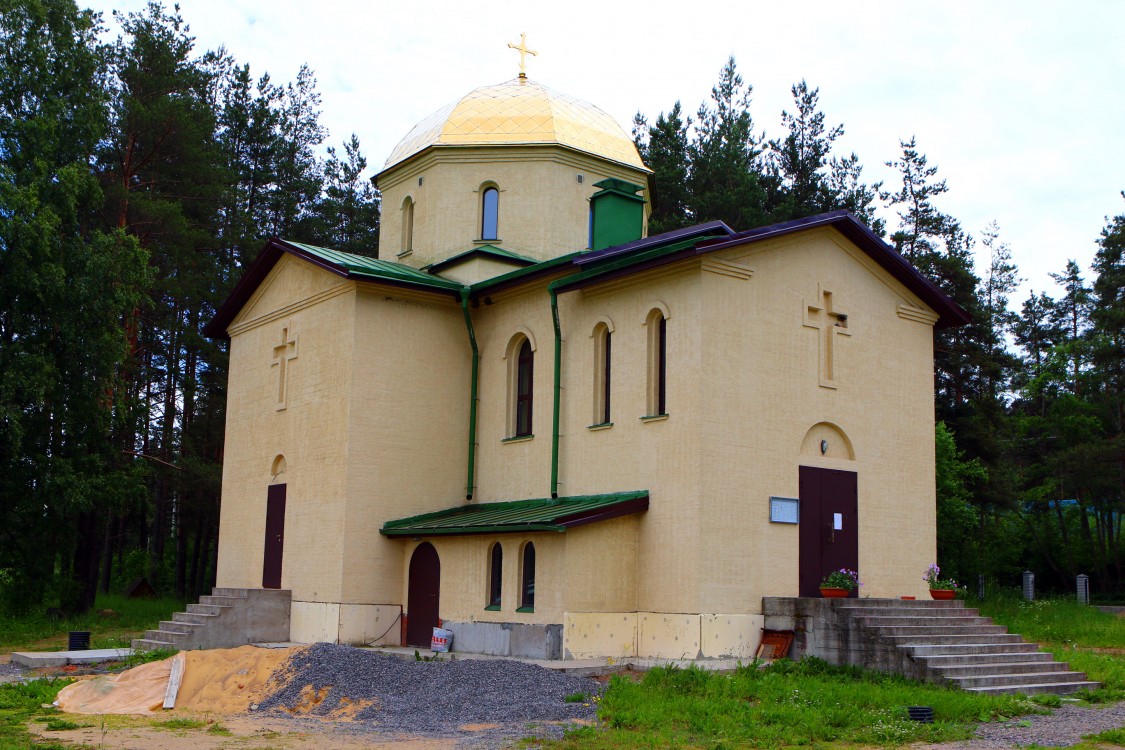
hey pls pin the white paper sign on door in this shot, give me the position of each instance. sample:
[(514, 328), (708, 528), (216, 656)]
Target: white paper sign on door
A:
[(838, 521)]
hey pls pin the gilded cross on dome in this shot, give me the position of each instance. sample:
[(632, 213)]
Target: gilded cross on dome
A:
[(829, 323), (524, 52)]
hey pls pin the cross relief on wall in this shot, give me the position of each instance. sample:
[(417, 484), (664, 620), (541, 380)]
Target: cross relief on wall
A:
[(283, 354), (829, 322)]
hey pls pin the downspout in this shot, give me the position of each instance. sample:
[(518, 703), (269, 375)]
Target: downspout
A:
[(473, 396), (558, 389)]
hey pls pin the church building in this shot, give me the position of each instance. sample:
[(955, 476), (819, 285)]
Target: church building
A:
[(532, 423)]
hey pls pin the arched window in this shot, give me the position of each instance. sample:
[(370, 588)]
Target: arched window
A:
[(657, 363), (527, 579), (495, 576), (489, 213), (603, 355), (524, 390), (407, 226)]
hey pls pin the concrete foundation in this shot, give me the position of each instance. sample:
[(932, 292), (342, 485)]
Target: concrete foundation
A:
[(507, 639)]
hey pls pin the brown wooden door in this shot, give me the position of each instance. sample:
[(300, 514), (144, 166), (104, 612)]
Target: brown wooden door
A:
[(829, 534), (275, 537), (422, 596)]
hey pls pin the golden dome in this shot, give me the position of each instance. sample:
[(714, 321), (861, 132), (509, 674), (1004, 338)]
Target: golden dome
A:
[(519, 112)]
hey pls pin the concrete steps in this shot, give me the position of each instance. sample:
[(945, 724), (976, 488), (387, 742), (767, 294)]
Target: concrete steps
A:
[(933, 641), (224, 619), (968, 651)]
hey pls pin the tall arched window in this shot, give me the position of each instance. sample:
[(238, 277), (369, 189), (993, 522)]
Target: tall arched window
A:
[(657, 363), (407, 226), (489, 213), (495, 576), (524, 391), (603, 356), (527, 579)]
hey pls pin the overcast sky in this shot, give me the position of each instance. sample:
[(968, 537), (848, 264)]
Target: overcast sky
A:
[(1021, 105)]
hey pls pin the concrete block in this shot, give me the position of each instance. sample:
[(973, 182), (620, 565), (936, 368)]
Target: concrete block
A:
[(600, 634), (62, 658), (668, 636), (494, 638), (507, 639), (731, 636), (536, 641), (34, 660)]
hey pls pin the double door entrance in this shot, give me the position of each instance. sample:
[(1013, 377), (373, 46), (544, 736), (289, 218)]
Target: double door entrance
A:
[(828, 526)]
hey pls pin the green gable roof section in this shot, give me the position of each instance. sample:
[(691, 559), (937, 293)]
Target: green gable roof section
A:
[(546, 514), (348, 265), (362, 267), (487, 251)]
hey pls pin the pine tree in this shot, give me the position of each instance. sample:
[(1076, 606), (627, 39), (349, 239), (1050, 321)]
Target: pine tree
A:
[(65, 288), (799, 160), (346, 216), (664, 148), (726, 180), (921, 225)]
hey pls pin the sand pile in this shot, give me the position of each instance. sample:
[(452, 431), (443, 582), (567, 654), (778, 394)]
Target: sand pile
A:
[(221, 681)]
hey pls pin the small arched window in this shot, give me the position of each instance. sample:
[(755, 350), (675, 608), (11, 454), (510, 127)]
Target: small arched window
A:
[(524, 390), (495, 576), (603, 356), (489, 213), (657, 363), (407, 226), (527, 579)]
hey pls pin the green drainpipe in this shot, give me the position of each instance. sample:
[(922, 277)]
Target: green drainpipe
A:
[(473, 396), (558, 389)]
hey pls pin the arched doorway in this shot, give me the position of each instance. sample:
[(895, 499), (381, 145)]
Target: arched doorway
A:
[(422, 596)]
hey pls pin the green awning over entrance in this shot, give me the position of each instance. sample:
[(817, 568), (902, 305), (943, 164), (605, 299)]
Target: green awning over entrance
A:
[(547, 514)]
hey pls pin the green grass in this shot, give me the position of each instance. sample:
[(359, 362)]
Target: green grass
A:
[(132, 617), (1072, 632), (1057, 622), (181, 724), (1110, 737), (786, 704), (23, 702)]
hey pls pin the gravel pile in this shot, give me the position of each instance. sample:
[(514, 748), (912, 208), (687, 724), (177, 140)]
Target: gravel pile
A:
[(1063, 727), (10, 672), (394, 695)]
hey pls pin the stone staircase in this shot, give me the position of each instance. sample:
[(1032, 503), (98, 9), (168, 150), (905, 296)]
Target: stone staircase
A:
[(932, 641), (225, 619)]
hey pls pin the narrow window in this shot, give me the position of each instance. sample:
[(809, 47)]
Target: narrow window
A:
[(662, 366), (603, 357), (407, 226), (496, 576), (527, 587), (525, 366), (490, 209), (657, 363)]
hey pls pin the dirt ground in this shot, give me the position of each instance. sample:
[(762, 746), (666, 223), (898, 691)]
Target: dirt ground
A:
[(245, 732)]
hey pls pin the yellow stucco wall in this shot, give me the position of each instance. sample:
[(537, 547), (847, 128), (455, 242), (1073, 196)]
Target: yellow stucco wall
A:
[(376, 422), (543, 208), (318, 309), (764, 395)]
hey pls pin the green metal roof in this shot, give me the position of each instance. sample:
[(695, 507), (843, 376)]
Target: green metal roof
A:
[(374, 268), (489, 250), (546, 514), (516, 275)]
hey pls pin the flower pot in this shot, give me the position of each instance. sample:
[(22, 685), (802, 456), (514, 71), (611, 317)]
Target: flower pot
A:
[(833, 593), (907, 598), (943, 594)]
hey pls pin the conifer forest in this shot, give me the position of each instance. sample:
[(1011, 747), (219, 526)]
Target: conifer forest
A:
[(140, 175)]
